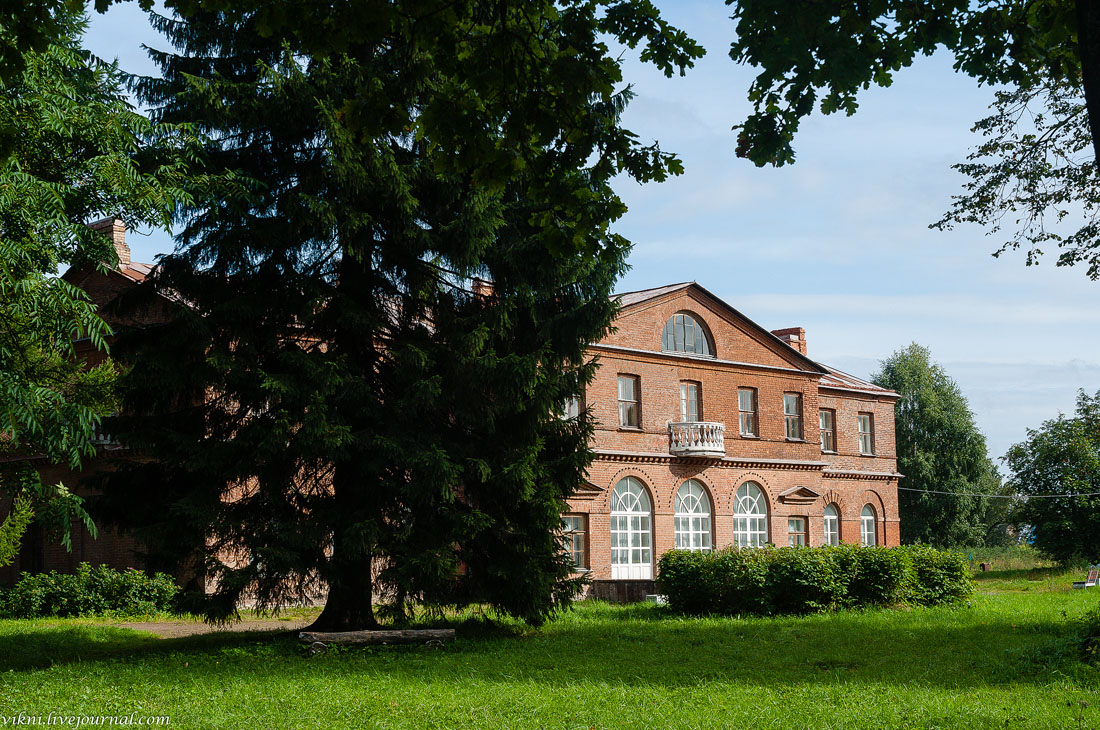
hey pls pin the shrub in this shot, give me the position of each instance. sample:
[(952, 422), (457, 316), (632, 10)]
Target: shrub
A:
[(804, 580), (88, 592), (880, 576), (685, 579), (939, 577), (740, 577)]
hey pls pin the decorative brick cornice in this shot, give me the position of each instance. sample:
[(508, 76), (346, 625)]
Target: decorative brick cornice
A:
[(854, 474), (729, 462)]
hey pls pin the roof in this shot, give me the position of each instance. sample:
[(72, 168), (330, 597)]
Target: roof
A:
[(845, 381), (637, 297), (136, 271)]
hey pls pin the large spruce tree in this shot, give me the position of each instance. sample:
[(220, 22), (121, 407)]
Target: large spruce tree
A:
[(343, 401)]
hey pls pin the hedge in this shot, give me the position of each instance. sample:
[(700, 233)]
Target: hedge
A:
[(88, 592), (769, 580)]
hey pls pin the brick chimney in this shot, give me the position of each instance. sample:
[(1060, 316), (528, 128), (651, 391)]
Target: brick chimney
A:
[(116, 229), (481, 288), (793, 336)]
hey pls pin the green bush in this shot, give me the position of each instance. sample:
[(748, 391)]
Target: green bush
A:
[(803, 581), (939, 577), (739, 579), (880, 576), (88, 592), (770, 580)]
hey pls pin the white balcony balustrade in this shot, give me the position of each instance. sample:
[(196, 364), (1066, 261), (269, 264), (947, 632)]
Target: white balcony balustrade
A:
[(697, 438)]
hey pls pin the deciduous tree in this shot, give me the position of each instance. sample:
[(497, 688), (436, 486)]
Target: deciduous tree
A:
[(75, 153), (1033, 177), (814, 54), (940, 449), (1062, 457)]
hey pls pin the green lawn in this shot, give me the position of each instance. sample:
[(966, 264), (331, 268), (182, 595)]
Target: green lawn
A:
[(1006, 661)]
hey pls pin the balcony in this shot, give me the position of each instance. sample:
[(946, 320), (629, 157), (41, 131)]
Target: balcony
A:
[(697, 438)]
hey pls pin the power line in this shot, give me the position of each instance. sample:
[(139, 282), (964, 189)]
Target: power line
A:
[(1001, 496)]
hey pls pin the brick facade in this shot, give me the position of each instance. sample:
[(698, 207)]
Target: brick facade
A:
[(40, 551), (797, 478)]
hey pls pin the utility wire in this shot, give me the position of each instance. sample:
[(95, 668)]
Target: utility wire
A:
[(1001, 496)]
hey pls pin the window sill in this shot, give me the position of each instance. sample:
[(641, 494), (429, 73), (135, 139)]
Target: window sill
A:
[(582, 570), (635, 429), (749, 436), (832, 453), (797, 441), (869, 456)]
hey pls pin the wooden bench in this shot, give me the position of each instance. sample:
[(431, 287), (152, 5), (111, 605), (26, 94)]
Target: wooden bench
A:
[(1090, 580)]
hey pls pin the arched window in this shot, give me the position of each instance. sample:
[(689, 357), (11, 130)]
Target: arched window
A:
[(750, 516), (631, 551), (692, 522), (832, 525), (867, 526), (684, 334)]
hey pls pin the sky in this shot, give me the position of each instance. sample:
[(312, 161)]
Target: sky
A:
[(837, 243)]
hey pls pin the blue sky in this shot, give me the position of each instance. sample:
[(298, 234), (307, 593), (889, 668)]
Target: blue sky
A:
[(837, 243)]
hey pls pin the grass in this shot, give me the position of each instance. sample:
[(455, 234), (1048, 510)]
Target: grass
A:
[(1006, 660)]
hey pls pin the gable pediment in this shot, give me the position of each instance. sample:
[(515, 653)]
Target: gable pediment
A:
[(799, 495), (735, 338)]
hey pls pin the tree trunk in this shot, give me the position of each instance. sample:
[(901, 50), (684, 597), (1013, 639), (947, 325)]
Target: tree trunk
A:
[(1088, 48), (350, 599), (350, 602)]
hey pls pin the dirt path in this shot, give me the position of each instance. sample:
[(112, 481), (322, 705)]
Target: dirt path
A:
[(176, 629)]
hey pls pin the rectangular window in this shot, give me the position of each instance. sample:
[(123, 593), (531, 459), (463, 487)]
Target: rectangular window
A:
[(629, 401), (574, 406), (690, 409), (828, 430), (792, 414), (796, 531), (746, 406), (574, 529), (867, 434)]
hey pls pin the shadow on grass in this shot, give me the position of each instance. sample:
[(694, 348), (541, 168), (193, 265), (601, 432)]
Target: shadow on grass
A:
[(44, 645), (629, 645)]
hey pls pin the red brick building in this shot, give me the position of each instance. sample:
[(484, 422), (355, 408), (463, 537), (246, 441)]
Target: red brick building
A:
[(712, 431), (41, 552)]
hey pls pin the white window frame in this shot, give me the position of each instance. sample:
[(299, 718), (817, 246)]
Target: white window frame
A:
[(792, 417), (747, 417), (631, 531), (575, 528), (750, 516), (691, 402), (692, 518), (635, 400), (832, 524), (574, 406), (681, 327), (830, 415), (868, 528), (797, 537), (866, 437)]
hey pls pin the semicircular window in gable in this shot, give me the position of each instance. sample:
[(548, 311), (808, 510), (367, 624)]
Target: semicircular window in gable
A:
[(683, 333)]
